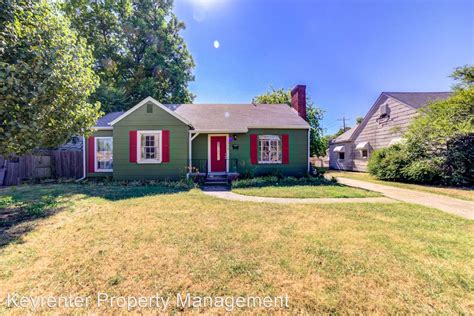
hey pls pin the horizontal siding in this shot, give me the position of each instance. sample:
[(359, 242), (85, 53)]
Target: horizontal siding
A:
[(298, 152), (336, 163), (158, 120), (199, 148), (378, 134)]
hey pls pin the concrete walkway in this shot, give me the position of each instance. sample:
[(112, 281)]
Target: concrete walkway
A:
[(441, 202), (227, 195)]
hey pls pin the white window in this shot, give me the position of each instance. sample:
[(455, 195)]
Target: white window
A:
[(269, 149), (149, 146), (103, 154)]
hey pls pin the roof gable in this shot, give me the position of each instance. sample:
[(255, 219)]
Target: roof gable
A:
[(414, 100), (153, 101)]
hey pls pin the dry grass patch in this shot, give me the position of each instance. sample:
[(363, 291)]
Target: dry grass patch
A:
[(345, 258), (458, 193)]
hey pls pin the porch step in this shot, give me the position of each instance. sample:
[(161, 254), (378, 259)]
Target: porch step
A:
[(216, 177), (216, 182), (216, 187)]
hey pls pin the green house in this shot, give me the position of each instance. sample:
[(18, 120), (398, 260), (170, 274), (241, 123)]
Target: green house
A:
[(170, 141)]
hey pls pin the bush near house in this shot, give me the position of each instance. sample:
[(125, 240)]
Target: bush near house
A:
[(387, 163), (277, 181), (439, 143), (459, 160)]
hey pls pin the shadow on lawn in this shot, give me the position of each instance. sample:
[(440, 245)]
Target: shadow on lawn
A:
[(22, 207)]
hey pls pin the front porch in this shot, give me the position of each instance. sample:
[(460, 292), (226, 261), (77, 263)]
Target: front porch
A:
[(199, 169)]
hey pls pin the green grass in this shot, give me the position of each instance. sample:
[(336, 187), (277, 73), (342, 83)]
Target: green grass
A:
[(345, 258), (306, 191), (458, 193)]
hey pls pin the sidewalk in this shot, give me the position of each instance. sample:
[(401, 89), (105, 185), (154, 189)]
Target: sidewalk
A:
[(444, 203)]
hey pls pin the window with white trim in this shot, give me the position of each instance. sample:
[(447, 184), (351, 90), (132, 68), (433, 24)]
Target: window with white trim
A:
[(103, 154), (269, 149), (149, 148)]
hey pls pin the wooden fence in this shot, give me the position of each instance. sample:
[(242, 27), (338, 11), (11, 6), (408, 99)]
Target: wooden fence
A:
[(52, 164)]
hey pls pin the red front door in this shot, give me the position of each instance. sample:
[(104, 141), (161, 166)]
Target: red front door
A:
[(218, 153)]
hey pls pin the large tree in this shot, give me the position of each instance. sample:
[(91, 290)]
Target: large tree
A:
[(138, 49), (46, 77), (443, 120), (313, 113)]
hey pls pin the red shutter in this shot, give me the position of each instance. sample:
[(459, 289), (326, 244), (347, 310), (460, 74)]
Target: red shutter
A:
[(90, 155), (285, 149), (253, 149), (132, 146), (166, 146)]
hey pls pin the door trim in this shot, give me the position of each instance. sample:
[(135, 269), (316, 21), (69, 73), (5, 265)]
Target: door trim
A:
[(209, 151)]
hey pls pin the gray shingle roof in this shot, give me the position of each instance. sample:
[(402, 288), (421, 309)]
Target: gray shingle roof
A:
[(240, 117), (418, 99), (107, 118), (346, 136), (230, 117)]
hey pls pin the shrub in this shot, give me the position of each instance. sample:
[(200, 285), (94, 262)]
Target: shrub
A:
[(388, 163), (423, 171), (458, 168), (182, 184), (275, 181)]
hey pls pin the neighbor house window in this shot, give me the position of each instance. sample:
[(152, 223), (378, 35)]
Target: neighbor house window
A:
[(365, 153), (149, 149), (341, 156), (103, 154), (269, 149)]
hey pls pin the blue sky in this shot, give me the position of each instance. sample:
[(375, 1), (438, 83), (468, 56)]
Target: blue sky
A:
[(346, 52)]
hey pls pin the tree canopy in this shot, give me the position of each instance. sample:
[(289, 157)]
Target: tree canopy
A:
[(137, 48), (444, 119), (46, 78), (313, 113)]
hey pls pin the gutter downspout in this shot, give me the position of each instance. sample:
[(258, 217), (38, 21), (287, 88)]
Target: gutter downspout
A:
[(309, 150), (83, 159), (189, 155)]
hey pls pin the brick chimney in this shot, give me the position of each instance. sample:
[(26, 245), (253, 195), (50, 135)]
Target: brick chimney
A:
[(298, 100)]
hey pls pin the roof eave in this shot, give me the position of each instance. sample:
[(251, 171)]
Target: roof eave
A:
[(281, 127), (215, 131)]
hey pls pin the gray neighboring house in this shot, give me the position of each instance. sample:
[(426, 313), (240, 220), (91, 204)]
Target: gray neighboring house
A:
[(383, 126)]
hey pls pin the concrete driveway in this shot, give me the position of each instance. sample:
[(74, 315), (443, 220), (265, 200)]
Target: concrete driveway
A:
[(444, 203)]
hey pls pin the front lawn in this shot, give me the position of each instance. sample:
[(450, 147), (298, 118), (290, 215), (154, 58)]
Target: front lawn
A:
[(308, 191), (458, 193), (144, 241)]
